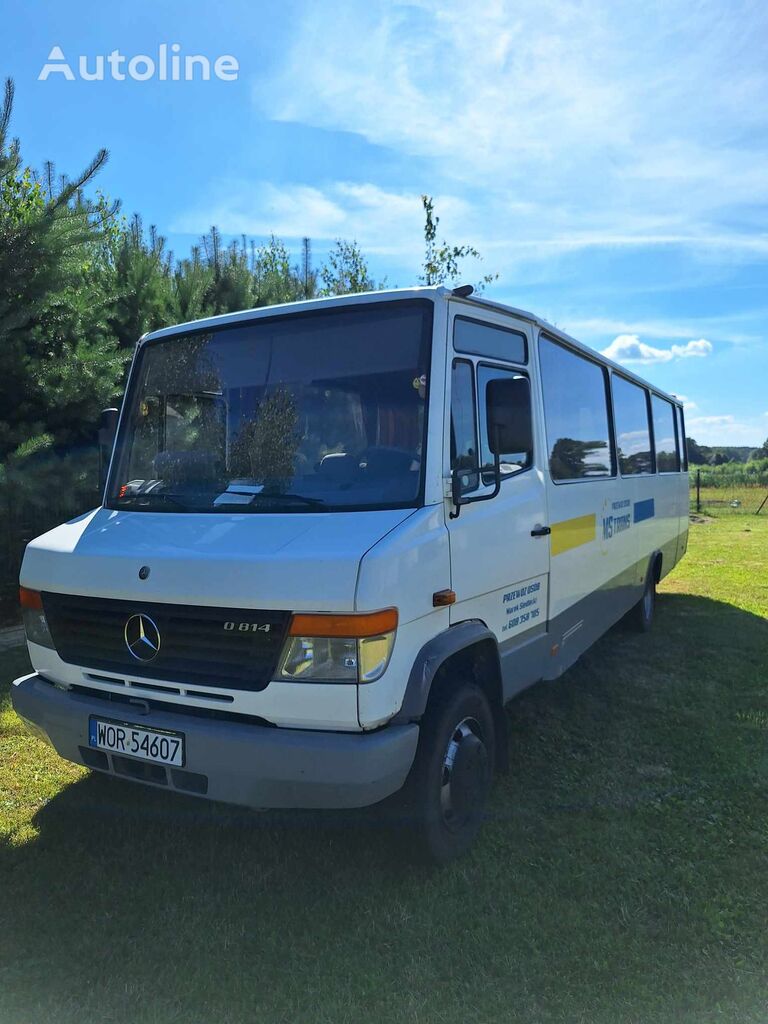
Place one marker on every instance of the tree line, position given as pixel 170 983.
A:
pixel 724 455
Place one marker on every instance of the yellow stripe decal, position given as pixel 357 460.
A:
pixel 572 533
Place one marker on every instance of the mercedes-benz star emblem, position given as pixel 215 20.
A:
pixel 142 637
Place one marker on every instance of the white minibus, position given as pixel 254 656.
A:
pixel 336 538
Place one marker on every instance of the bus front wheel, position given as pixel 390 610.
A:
pixel 452 775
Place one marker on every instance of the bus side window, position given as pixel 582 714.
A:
pixel 575 413
pixel 479 338
pixel 682 443
pixel 464 425
pixel 633 434
pixel 665 435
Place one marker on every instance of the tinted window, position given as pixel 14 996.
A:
pixel 576 414
pixel 281 414
pixel 464 425
pixel 633 436
pixel 488 340
pixel 511 462
pixel 665 435
pixel 681 438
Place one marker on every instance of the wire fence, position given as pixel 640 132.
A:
pixel 717 493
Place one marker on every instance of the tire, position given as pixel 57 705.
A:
pixel 452 775
pixel 641 615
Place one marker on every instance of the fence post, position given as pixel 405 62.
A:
pixel 698 490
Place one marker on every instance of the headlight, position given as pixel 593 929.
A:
pixel 339 648
pixel 323 659
pixel 33 615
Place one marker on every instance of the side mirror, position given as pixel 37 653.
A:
pixel 106 439
pixel 508 415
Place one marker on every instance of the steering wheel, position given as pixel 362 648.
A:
pixel 397 459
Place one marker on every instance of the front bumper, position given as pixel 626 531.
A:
pixel 246 764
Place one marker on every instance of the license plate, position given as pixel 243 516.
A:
pixel 146 744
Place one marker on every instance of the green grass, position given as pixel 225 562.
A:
pixel 622 877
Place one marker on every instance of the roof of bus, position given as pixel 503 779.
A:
pixel 425 292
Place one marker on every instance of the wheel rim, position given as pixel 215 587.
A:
pixel 464 778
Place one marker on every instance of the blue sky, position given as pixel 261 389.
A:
pixel 609 159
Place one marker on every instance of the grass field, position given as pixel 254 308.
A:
pixel 717 500
pixel 622 876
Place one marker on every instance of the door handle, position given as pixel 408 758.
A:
pixel 541 531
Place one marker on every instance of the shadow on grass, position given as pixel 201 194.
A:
pixel 621 874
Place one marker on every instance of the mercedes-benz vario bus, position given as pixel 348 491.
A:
pixel 336 538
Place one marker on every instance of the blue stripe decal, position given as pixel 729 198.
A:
pixel 644 510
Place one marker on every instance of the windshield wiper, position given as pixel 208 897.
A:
pixel 153 502
pixel 277 499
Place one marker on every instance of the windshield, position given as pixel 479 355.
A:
pixel 308 412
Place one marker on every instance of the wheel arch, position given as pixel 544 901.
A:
pixel 467 651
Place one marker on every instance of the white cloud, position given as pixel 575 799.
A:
pixel 593 121
pixel 627 348
pixel 380 220
pixel 702 347
pixel 389 223
pixel 718 328
pixel 712 421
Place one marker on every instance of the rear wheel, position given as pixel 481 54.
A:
pixel 642 614
pixel 451 777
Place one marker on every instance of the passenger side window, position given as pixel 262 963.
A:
pixel 665 435
pixel 633 435
pixel 682 443
pixel 576 414
pixel 464 426
pixel 489 340
pixel 510 462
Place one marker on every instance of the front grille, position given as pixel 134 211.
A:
pixel 129 699
pixel 195 648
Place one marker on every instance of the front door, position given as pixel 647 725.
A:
pixel 499 562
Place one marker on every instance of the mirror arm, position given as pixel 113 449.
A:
pixel 459 500
pixel 456 496
pixel 496 476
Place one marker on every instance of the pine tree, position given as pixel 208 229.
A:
pixel 58 363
